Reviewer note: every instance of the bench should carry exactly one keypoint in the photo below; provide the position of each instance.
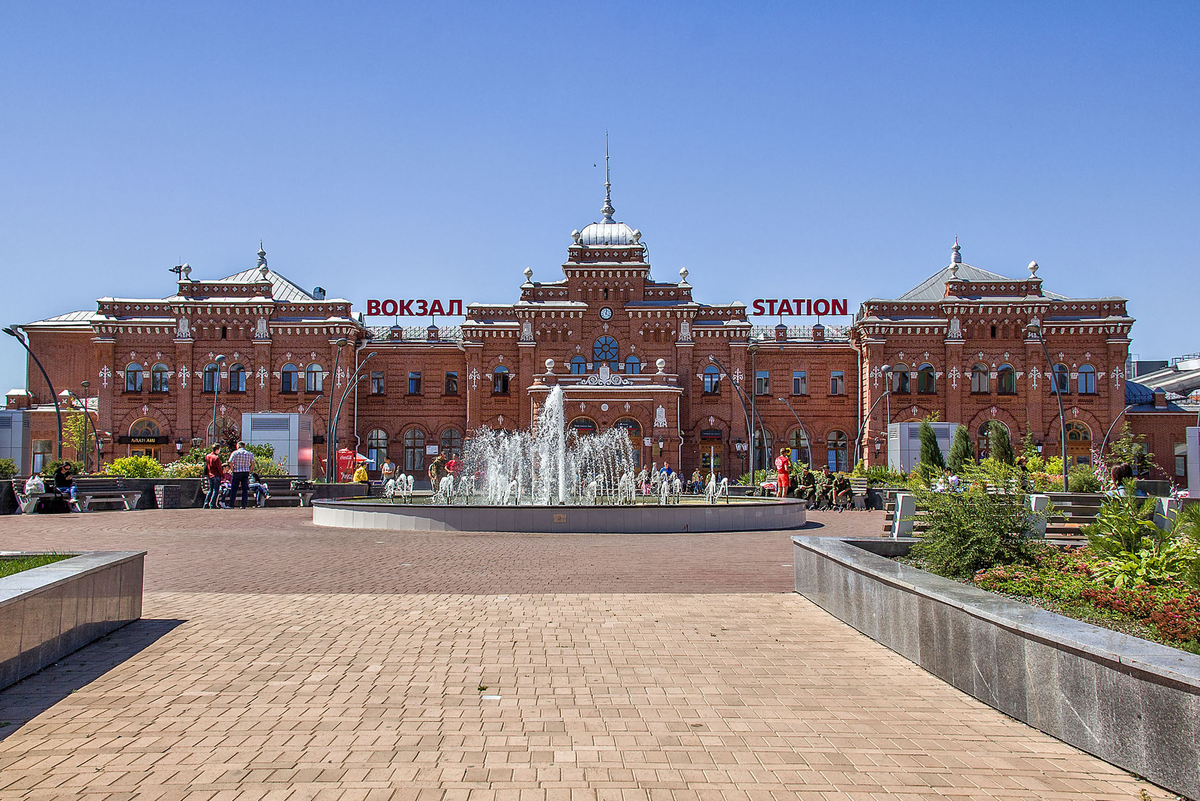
(28, 502)
(106, 491)
(282, 494)
(858, 492)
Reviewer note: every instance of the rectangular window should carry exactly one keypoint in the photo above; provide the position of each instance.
(41, 454)
(414, 383)
(762, 382)
(799, 382)
(837, 382)
(1181, 459)
(377, 385)
(451, 382)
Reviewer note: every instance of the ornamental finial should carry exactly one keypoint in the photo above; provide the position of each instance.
(608, 211)
(957, 257)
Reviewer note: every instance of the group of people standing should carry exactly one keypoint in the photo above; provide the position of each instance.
(225, 477)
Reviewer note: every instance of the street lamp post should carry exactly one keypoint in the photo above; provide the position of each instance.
(95, 433)
(803, 430)
(16, 333)
(738, 391)
(1035, 330)
(753, 350)
(216, 392)
(1112, 425)
(341, 343)
(354, 379)
(861, 428)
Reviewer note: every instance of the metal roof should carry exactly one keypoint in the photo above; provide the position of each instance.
(282, 289)
(70, 317)
(934, 287)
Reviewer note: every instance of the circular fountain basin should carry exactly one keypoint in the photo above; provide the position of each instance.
(737, 515)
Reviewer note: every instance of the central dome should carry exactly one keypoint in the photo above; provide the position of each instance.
(609, 233)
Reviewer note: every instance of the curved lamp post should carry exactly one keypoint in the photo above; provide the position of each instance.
(16, 333)
(341, 343)
(1112, 425)
(1035, 330)
(887, 377)
(804, 430)
(738, 391)
(216, 391)
(753, 351)
(354, 379)
(95, 433)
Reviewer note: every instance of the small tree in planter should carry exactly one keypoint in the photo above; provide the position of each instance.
(932, 460)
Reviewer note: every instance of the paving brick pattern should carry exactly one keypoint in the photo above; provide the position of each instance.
(664, 667)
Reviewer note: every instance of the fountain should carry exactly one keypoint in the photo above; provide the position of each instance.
(552, 478)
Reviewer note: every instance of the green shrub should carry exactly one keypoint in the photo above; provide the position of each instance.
(1134, 551)
(135, 467)
(183, 468)
(265, 466)
(931, 452)
(973, 530)
(1083, 479)
(999, 445)
(882, 475)
(8, 468)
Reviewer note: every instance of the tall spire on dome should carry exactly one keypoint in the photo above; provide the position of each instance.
(608, 211)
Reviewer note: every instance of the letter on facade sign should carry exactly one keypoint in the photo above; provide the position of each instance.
(799, 307)
(758, 307)
(404, 308)
(821, 306)
(436, 308)
(785, 307)
(771, 306)
(388, 307)
(839, 306)
(372, 308)
(808, 306)
(455, 307)
(422, 309)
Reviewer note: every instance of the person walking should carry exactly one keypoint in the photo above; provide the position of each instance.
(213, 471)
(240, 462)
(783, 478)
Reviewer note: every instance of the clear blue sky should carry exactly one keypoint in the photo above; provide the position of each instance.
(436, 150)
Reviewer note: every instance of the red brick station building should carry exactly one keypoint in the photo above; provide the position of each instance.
(628, 350)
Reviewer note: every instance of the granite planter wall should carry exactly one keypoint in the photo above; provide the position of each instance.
(765, 515)
(50, 611)
(1130, 702)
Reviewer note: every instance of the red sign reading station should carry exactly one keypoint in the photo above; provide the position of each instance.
(413, 308)
(800, 307)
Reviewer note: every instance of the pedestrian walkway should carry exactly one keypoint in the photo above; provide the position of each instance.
(290, 661)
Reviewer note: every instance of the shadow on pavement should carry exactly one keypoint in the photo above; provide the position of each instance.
(28, 698)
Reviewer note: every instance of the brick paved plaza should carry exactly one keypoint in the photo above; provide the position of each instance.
(283, 660)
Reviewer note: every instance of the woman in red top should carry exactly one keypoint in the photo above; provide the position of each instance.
(783, 481)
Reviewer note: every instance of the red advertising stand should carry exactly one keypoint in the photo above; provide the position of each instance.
(346, 459)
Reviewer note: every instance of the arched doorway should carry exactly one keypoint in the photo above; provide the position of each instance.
(227, 432)
(634, 429)
(1079, 443)
(145, 439)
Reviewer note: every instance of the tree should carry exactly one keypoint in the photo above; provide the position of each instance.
(1028, 446)
(931, 453)
(1130, 449)
(961, 451)
(79, 434)
(999, 445)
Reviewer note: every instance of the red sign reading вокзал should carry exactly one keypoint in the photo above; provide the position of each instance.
(416, 307)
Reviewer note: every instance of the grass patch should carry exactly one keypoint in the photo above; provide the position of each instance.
(15, 564)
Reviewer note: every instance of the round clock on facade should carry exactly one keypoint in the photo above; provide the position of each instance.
(606, 313)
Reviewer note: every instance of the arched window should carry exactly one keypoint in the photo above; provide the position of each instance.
(451, 441)
(578, 365)
(798, 442)
(159, 378)
(289, 378)
(981, 380)
(926, 377)
(377, 442)
(1078, 432)
(900, 379)
(414, 450)
(226, 432)
(712, 380)
(582, 425)
(500, 380)
(632, 365)
(144, 434)
(1006, 380)
(237, 378)
(1062, 379)
(133, 377)
(1087, 380)
(605, 350)
(314, 378)
(211, 380)
(836, 450)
